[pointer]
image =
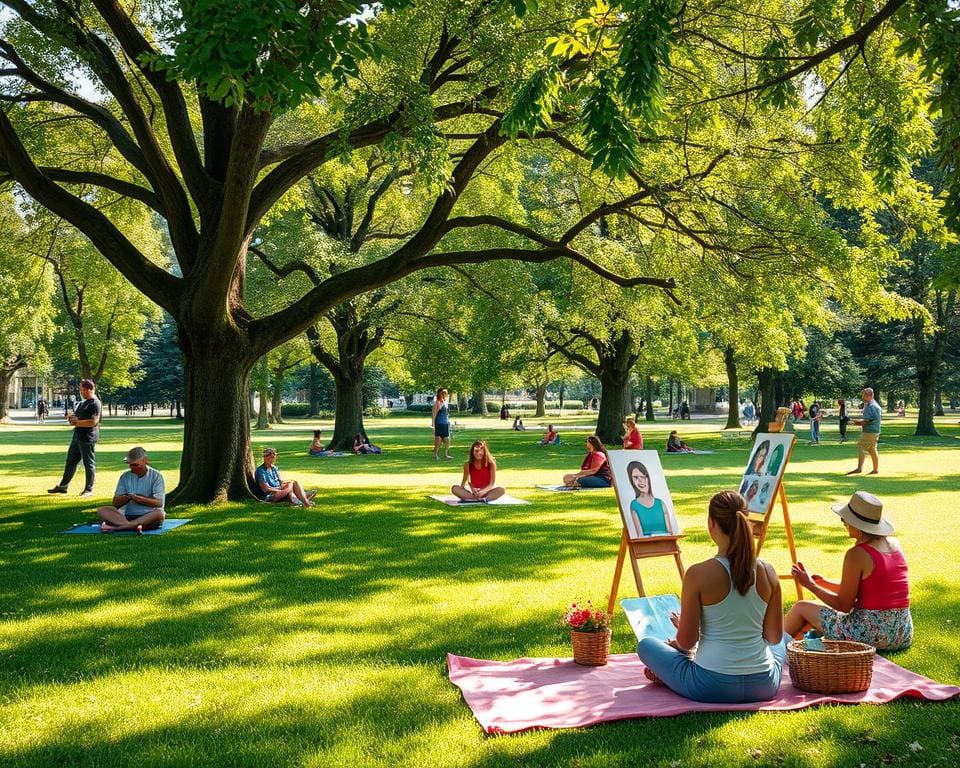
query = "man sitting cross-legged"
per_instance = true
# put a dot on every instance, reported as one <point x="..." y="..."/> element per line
<point x="138" y="500"/>
<point x="274" y="490"/>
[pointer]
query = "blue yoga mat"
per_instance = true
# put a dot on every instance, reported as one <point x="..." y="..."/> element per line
<point x="168" y="525"/>
<point x="650" y="616"/>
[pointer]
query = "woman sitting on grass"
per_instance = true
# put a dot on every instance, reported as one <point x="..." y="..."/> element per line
<point x="479" y="482"/>
<point x="595" y="470"/>
<point x="632" y="439"/>
<point x="730" y="609"/>
<point x="362" y="445"/>
<point x="871" y="603"/>
<point x="550" y="437"/>
<point x="676" y="445"/>
<point x="316" y="445"/>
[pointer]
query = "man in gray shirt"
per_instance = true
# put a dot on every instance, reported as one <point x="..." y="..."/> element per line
<point x="870" y="433"/>
<point x="140" y="494"/>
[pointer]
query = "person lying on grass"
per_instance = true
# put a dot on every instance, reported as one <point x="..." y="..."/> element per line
<point x="595" y="470"/>
<point x="479" y="482"/>
<point x="138" y="500"/>
<point x="730" y="610"/>
<point x="871" y="602"/>
<point x="276" y="490"/>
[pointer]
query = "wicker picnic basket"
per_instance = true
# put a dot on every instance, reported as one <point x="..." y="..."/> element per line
<point x="845" y="667"/>
<point x="591" y="649"/>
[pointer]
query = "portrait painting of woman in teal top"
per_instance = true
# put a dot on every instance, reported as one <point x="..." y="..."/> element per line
<point x="648" y="512"/>
<point x="643" y="495"/>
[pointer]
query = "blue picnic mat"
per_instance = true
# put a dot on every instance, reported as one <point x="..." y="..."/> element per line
<point x="168" y="525"/>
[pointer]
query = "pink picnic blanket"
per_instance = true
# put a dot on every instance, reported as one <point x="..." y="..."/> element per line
<point x="511" y="696"/>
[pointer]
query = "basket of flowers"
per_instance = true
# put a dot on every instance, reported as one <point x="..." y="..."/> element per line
<point x="589" y="632"/>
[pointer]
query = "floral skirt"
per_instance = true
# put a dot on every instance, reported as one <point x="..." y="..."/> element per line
<point x="887" y="630"/>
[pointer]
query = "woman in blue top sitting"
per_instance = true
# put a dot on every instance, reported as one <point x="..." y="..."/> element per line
<point x="648" y="512"/>
<point x="730" y="609"/>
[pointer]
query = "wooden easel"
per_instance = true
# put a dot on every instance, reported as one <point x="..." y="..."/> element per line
<point x="656" y="546"/>
<point x="760" y="526"/>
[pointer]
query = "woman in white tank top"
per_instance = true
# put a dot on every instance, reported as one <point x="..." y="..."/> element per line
<point x="729" y="644"/>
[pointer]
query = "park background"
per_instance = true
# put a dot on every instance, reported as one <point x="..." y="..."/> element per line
<point x="264" y="219"/>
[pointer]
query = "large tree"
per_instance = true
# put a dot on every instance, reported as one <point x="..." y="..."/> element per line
<point x="197" y="136"/>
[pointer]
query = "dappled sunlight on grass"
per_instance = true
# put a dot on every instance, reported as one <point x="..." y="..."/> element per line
<point x="268" y="635"/>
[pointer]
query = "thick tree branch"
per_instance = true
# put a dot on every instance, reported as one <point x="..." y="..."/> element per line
<point x="176" y="115"/>
<point x="146" y="276"/>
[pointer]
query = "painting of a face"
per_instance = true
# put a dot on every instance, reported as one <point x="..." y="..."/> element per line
<point x="759" y="458"/>
<point x="640" y="482"/>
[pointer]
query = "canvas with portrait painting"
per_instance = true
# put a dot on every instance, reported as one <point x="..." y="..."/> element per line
<point x="642" y="494"/>
<point x="768" y="459"/>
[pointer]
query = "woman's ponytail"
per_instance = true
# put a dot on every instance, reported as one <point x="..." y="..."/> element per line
<point x="729" y="510"/>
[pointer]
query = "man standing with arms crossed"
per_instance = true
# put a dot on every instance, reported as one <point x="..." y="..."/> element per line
<point x="86" y="431"/>
<point x="870" y="433"/>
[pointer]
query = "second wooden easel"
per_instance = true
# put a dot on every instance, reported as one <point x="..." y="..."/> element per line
<point x="760" y="526"/>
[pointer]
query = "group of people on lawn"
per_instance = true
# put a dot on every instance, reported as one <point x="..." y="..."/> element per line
<point x="731" y="635"/>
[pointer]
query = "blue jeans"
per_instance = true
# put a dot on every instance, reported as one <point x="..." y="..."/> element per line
<point x="682" y="675"/>
<point x="814" y="431"/>
<point x="592" y="481"/>
<point x="80" y="450"/>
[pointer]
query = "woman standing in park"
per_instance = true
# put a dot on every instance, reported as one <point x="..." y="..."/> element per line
<point x="648" y="512"/>
<point x="730" y="609"/>
<point x="479" y="481"/>
<point x="632" y="439"/>
<point x="595" y="470"/>
<point x="440" y="420"/>
<point x="871" y="602"/>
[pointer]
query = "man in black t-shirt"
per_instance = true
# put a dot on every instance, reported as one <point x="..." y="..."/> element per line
<point x="86" y="431"/>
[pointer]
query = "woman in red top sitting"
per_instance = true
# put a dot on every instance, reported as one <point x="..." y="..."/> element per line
<point x="479" y="482"/>
<point x="632" y="440"/>
<point x="595" y="470"/>
<point x="550" y="437"/>
<point x="871" y="603"/>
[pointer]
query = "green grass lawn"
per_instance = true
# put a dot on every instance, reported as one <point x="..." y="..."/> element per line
<point x="273" y="636"/>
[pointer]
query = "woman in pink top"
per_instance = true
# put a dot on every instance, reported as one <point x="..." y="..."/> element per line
<point x="871" y="603"/>
<point x="595" y="470"/>
<point x="632" y="439"/>
<point x="479" y="482"/>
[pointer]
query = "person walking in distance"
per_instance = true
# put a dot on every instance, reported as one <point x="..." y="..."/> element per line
<point x="870" y="434"/>
<point x="86" y="432"/>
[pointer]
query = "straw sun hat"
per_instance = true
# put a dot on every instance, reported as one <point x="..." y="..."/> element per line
<point x="864" y="512"/>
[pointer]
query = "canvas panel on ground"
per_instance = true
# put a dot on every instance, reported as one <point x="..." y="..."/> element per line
<point x="768" y="459"/>
<point x="642" y="494"/>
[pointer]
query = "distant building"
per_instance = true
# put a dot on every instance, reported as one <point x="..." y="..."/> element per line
<point x="25" y="386"/>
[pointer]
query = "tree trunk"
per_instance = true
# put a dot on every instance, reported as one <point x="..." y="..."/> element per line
<point x="768" y="404"/>
<point x="6" y="375"/>
<point x="216" y="463"/>
<point x="541" y="401"/>
<point x="479" y="403"/>
<point x="733" y="384"/>
<point x="263" y="414"/>
<point x="938" y="403"/>
<point x="614" y="387"/>
<point x="926" y="381"/>
<point x="277" y="400"/>
<point x="649" y="416"/>
<point x="314" y="409"/>
<point x="348" y="416"/>
<point x="462" y="402"/>
<point x="561" y="390"/>
<point x="179" y="404"/>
